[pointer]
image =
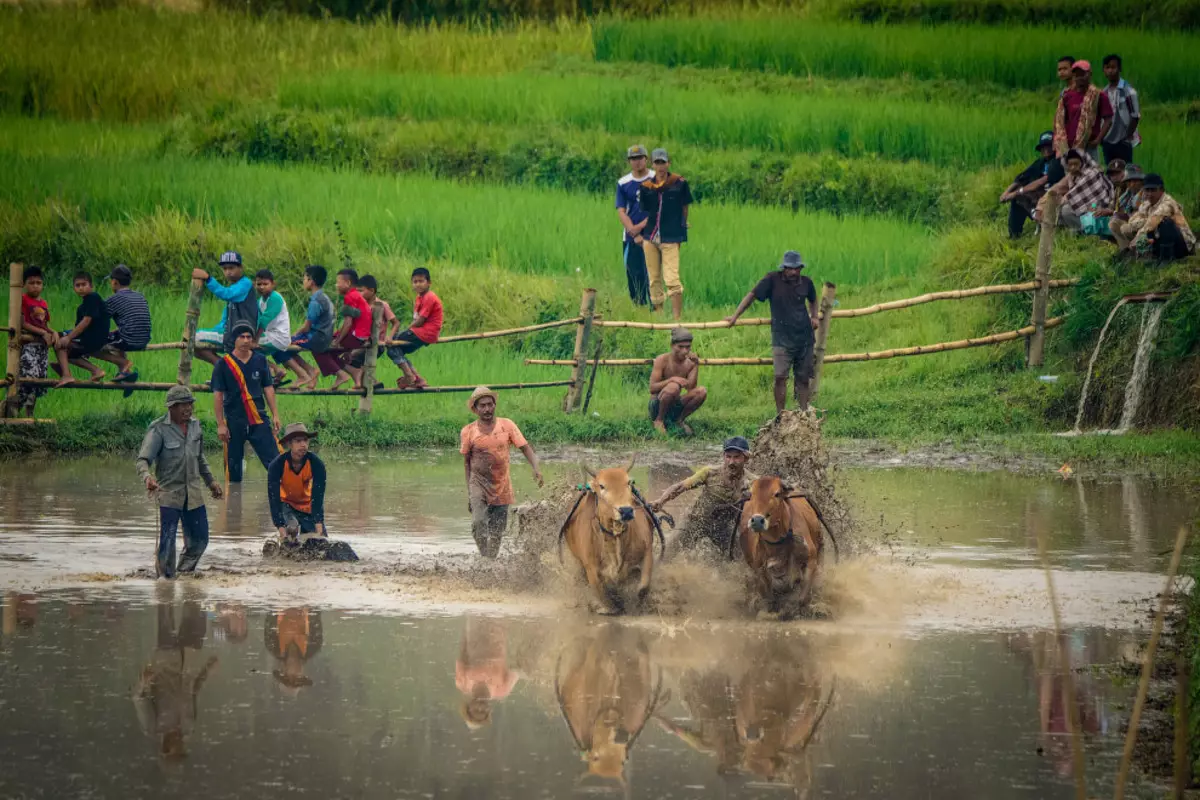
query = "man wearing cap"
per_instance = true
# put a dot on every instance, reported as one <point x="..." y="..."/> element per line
<point x="131" y="314"/>
<point x="792" y="325"/>
<point x="175" y="444"/>
<point x="665" y="198"/>
<point x="1027" y="188"/>
<point x="1159" y="230"/>
<point x="633" y="220"/>
<point x="243" y="389"/>
<point x="1084" y="115"/>
<point x="674" y="395"/>
<point x="484" y="447"/>
<point x="241" y="305"/>
<point x="716" y="510"/>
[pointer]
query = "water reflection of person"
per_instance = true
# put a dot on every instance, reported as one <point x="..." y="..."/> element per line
<point x="293" y="636"/>
<point x="166" y="691"/>
<point x="606" y="691"/>
<point x="760" y="725"/>
<point x="231" y="622"/>
<point x="20" y="610"/>
<point x="481" y="672"/>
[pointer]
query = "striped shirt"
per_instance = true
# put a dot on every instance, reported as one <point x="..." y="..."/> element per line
<point x="132" y="317"/>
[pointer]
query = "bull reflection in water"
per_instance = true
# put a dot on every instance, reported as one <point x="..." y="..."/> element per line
<point x="481" y="672"/>
<point x="165" y="696"/>
<point x="607" y="690"/>
<point x="292" y="637"/>
<point x="757" y="726"/>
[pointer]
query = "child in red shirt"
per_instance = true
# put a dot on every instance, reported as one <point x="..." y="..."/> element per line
<point x="425" y="328"/>
<point x="356" y="330"/>
<point x="35" y="320"/>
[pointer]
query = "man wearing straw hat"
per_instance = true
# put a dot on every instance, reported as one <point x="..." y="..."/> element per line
<point x="484" y="446"/>
<point x="175" y="443"/>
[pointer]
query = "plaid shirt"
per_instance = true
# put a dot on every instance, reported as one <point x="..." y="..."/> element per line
<point x="1091" y="189"/>
<point x="1148" y="217"/>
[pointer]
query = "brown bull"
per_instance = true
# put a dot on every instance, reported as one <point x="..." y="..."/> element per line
<point x="611" y="533"/>
<point x="607" y="694"/>
<point x="782" y="543"/>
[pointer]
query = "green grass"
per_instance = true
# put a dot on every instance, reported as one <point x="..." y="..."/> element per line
<point x="1173" y="15"/>
<point x="1164" y="66"/>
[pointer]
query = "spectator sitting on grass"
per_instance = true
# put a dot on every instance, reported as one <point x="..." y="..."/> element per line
<point x="1159" y="230"/>
<point x="1084" y="189"/>
<point x="1095" y="222"/>
<point x="1084" y="115"/>
<point x="1123" y="136"/>
<point x="1127" y="204"/>
<point x="1027" y="188"/>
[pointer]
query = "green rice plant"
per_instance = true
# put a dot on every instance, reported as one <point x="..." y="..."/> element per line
<point x="138" y="63"/>
<point x="946" y="135"/>
<point x="1171" y="15"/>
<point x="1162" y="65"/>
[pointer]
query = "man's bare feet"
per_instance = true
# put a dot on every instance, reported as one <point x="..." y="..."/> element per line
<point x="338" y="384"/>
<point x="687" y="429"/>
<point x="660" y="426"/>
<point x="403" y="383"/>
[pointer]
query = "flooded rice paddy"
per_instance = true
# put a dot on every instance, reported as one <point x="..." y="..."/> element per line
<point x="422" y="672"/>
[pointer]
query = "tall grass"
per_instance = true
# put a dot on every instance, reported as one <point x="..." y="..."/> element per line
<point x="136" y="63"/>
<point x="1164" y="66"/>
<point x="1172" y="15"/>
<point x="947" y="135"/>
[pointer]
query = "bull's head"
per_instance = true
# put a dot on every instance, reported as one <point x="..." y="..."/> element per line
<point x="614" y="491"/>
<point x="610" y="746"/>
<point x="767" y="503"/>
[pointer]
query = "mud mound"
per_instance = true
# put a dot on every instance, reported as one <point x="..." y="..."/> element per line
<point x="791" y="447"/>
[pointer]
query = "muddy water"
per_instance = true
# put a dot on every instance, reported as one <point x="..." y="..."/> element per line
<point x="936" y="678"/>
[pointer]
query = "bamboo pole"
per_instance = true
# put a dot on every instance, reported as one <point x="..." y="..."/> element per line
<point x="587" y="401"/>
<point x="919" y="350"/>
<point x="26" y="421"/>
<point x="587" y="309"/>
<point x="188" y="345"/>
<point x="1041" y="297"/>
<point x="205" y="388"/>
<point x="1139" y="703"/>
<point x="140" y="386"/>
<point x="12" y="367"/>
<point x="370" y="357"/>
<point x="827" y="298"/>
<point x="470" y="337"/>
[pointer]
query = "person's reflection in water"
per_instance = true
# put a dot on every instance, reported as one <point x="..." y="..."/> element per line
<point x="293" y="636"/>
<point x="20" y="610"/>
<point x="758" y="726"/>
<point x="167" y="689"/>
<point x="481" y="672"/>
<point x="231" y="622"/>
<point x="607" y="691"/>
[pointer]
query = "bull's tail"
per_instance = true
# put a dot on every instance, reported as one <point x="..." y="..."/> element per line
<point x="562" y="532"/>
<point x="837" y="555"/>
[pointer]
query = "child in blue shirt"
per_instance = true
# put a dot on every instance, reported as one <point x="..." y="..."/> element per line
<point x="316" y="334"/>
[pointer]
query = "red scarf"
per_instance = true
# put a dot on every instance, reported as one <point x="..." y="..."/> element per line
<point x="235" y="368"/>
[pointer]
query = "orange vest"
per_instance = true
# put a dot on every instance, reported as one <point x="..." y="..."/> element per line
<point x="295" y="488"/>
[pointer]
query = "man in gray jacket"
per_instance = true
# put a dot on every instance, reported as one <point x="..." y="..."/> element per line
<point x="176" y="443"/>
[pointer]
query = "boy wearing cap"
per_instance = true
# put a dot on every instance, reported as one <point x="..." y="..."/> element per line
<point x="792" y="327"/>
<point x="1027" y="188"/>
<point x="241" y="305"/>
<point x="1084" y="114"/>
<point x="484" y="447"/>
<point x="1123" y="136"/>
<point x="665" y="199"/>
<point x="715" y="512"/>
<point x="174" y="443"/>
<point x="1159" y="230"/>
<point x="633" y="220"/>
<point x="674" y="394"/>
<point x="242" y="391"/>
<point x="131" y="314"/>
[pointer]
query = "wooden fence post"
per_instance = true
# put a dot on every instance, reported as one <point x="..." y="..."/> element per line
<point x="12" y="365"/>
<point x="1041" y="295"/>
<point x="189" y="333"/>
<point x="587" y="310"/>
<point x="370" y="358"/>
<point x="827" y="297"/>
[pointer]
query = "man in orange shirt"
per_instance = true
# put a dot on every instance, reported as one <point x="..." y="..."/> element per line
<point x="296" y="491"/>
<point x="484" y="446"/>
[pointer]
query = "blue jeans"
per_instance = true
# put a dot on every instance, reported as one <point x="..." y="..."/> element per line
<point x="195" y="539"/>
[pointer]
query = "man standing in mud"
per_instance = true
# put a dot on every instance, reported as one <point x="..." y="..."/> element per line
<point x="674" y="394"/>
<point x="716" y="511"/>
<point x="484" y="447"/>
<point x="792" y="338"/>
<point x="176" y="443"/>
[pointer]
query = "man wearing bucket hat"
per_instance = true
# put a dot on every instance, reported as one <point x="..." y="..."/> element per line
<point x="174" y="444"/>
<point x="633" y="220"/>
<point x="241" y="305"/>
<point x="243" y="390"/>
<point x="674" y="395"/>
<point x="1028" y="187"/>
<point x="792" y="325"/>
<point x="715" y="512"/>
<point x="484" y="447"/>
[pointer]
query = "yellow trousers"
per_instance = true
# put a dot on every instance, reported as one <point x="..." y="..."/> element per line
<point x="662" y="265"/>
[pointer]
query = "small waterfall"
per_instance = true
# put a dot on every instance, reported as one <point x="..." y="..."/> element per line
<point x="1141" y="365"/>
<point x="1087" y="381"/>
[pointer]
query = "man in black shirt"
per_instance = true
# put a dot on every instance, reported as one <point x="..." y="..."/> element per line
<point x="1028" y="187"/>
<point x="665" y="198"/>
<point x="87" y="337"/>
<point x="243" y="389"/>
<point x="792" y="326"/>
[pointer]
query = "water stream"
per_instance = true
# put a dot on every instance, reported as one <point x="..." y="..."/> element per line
<point x="1087" y="380"/>
<point x="1141" y="364"/>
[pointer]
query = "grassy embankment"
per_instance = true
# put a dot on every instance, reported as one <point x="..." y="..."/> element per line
<point x="91" y="195"/>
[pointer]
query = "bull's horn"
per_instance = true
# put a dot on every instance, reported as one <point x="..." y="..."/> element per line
<point x="587" y="471"/>
<point x="632" y="461"/>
